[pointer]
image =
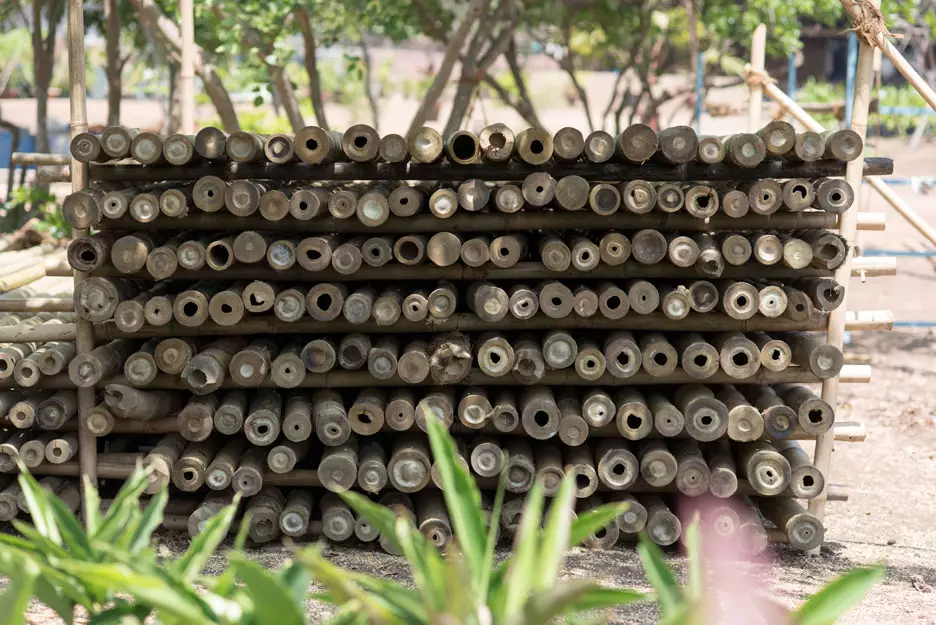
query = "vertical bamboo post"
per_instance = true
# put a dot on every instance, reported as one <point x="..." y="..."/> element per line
<point x="876" y="34"/>
<point x="187" y="71"/>
<point x="84" y="341"/>
<point x="756" y="91"/>
<point x="848" y="226"/>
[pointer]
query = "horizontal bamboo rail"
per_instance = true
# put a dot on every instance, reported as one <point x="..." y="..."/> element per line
<point x="488" y="222"/>
<point x="855" y="374"/>
<point x="873" y="266"/>
<point x="470" y="322"/>
<point x="37" y="304"/>
<point x="872" y="222"/>
<point x="616" y="172"/>
<point x="57" y="173"/>
<point x="844" y="431"/>
<point x="31" y="159"/>
<point x="467" y="322"/>
<point x="121" y="468"/>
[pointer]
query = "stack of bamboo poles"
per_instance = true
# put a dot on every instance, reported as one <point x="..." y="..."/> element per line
<point x="640" y="311"/>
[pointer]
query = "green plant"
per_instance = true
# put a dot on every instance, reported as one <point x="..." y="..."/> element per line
<point x="27" y="202"/>
<point x="689" y="605"/>
<point x="464" y="586"/>
<point x="110" y="568"/>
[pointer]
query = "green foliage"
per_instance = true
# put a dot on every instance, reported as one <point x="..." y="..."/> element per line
<point x="110" y="568"/>
<point x="815" y="91"/>
<point x="463" y="586"/>
<point x="687" y="605"/>
<point x="27" y="202"/>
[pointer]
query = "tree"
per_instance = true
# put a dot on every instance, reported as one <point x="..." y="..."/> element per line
<point x="169" y="39"/>
<point x="50" y="12"/>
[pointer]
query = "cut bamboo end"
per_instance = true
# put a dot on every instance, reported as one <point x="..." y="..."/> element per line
<point x="872" y="222"/>
<point x="862" y="320"/>
<point x="873" y="266"/>
<point x="855" y="374"/>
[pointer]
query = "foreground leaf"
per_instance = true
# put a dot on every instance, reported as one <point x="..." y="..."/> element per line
<point x="203" y="546"/>
<point x="838" y="597"/>
<point x="273" y="603"/>
<point x="16" y="595"/>
<point x="382" y="518"/>
<point x="695" y="589"/>
<point x="574" y="596"/>
<point x="555" y="541"/>
<point x="462" y="499"/>
<point x="661" y="577"/>
<point x="523" y="564"/>
<point x="593" y="520"/>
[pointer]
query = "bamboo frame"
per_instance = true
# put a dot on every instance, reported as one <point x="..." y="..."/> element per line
<point x="87" y="443"/>
<point x="37" y="304"/>
<point x="613" y="172"/>
<point x="822" y="458"/>
<point x="853" y="8"/>
<point x="856" y="374"/>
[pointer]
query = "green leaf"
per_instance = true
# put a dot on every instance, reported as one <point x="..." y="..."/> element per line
<point x="54" y="598"/>
<point x="555" y="541"/>
<point x="225" y="584"/>
<point x="695" y="589"/>
<point x="462" y="499"/>
<point x="425" y="564"/>
<point x="403" y="599"/>
<point x="523" y="564"/>
<point x="593" y="520"/>
<point x="838" y="597"/>
<point x="493" y="534"/>
<point x="16" y="595"/>
<point x="42" y="544"/>
<point x="146" y="588"/>
<point x="37" y="501"/>
<point x="149" y="522"/>
<point x="73" y="534"/>
<point x="574" y="596"/>
<point x="120" y="613"/>
<point x="343" y="589"/>
<point x="381" y="517"/>
<point x="661" y="577"/>
<point x="216" y="529"/>
<point x="273" y="603"/>
<point x="122" y="509"/>
<point x="92" y="506"/>
<point x="295" y="579"/>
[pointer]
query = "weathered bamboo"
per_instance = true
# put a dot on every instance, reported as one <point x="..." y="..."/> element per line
<point x="706" y="416"/>
<point x="206" y="371"/>
<point x="662" y="525"/>
<point x="723" y="480"/>
<point x="745" y="422"/>
<point x="410" y="465"/>
<point x="804" y="530"/>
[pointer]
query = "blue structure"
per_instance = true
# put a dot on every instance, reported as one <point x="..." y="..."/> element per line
<point x="27" y="143"/>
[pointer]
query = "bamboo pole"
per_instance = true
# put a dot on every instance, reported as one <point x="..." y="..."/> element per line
<point x="29" y="159"/>
<point x="822" y="458"/>
<point x="523" y="271"/>
<point x="850" y="374"/>
<point x="755" y="91"/>
<point x="447" y="172"/>
<point x="494" y="222"/>
<point x="875" y="35"/>
<point x="87" y="443"/>
<point x="187" y="69"/>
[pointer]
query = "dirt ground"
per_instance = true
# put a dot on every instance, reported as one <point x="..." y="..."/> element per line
<point x="891" y="477"/>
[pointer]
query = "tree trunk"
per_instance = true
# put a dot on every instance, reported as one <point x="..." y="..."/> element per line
<point x="43" y="59"/>
<point x="568" y="64"/>
<point x="174" y="102"/>
<point x="311" y="66"/>
<point x="170" y="41"/>
<point x="525" y="105"/>
<point x="114" y="65"/>
<point x="287" y="97"/>
<point x="369" y="82"/>
<point x="452" y="53"/>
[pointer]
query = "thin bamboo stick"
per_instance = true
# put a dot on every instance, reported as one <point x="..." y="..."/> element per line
<point x="37" y="304"/>
<point x="87" y="443"/>
<point x="822" y="458"/>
